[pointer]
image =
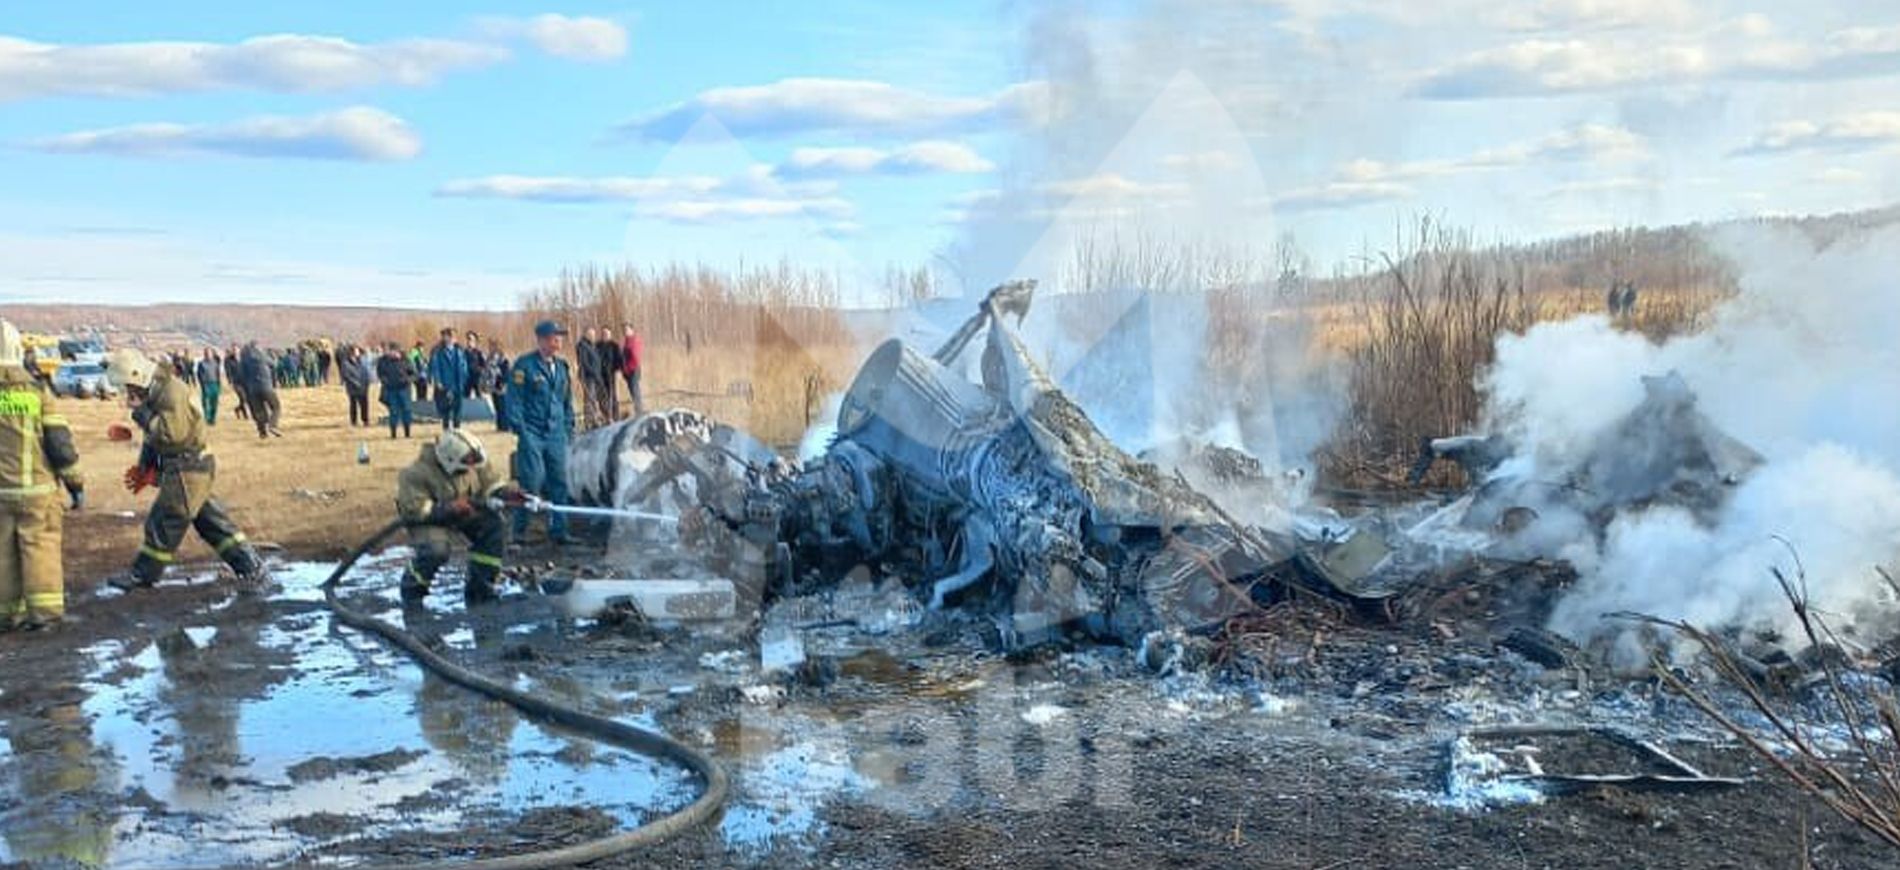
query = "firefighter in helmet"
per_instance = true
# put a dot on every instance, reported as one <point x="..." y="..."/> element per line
<point x="173" y="459"/>
<point x="452" y="490"/>
<point x="37" y="460"/>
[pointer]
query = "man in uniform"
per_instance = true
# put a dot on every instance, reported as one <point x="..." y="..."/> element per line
<point x="175" y="460"/>
<point x="36" y="455"/>
<point x="451" y="488"/>
<point x="540" y="407"/>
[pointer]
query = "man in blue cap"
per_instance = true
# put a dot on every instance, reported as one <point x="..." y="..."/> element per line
<point x="539" y="404"/>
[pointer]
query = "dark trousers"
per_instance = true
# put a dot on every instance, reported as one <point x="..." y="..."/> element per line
<point x="265" y="409"/>
<point x="185" y="503"/>
<point x="449" y="408"/>
<point x="359" y="406"/>
<point x="633" y="393"/>
<point x="400" y="413"/>
<point x="208" y="392"/>
<point x="433" y="545"/>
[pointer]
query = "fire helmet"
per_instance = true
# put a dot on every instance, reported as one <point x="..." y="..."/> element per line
<point x="458" y="451"/>
<point x="127" y="368"/>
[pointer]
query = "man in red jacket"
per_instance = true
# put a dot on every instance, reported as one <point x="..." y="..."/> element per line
<point x="630" y="352"/>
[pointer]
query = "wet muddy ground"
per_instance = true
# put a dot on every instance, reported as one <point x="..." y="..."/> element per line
<point x="186" y="727"/>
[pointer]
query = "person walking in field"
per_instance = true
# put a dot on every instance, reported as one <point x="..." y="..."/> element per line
<point x="631" y="350"/>
<point x="397" y="375"/>
<point x="260" y="389"/>
<point x="37" y="460"/>
<point x="174" y="459"/>
<point x="540" y="403"/>
<point x="210" y="384"/>
<point x="234" y="375"/>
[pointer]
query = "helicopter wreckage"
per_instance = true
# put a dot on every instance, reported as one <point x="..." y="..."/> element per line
<point x="994" y="495"/>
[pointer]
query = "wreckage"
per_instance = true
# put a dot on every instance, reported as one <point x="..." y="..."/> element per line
<point x="999" y="497"/>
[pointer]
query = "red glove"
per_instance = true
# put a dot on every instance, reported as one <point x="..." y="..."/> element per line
<point x="139" y="477"/>
<point x="118" y="432"/>
<point x="512" y="496"/>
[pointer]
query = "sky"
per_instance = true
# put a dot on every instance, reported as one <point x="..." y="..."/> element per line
<point x="435" y="154"/>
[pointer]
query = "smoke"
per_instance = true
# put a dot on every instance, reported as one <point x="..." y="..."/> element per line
<point x="1801" y="367"/>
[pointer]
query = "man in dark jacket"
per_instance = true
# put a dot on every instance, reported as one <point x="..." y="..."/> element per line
<point x="398" y="378"/>
<point x="477" y="365"/>
<point x="587" y="365"/>
<point x="354" y="372"/>
<point x="234" y="375"/>
<point x="609" y="374"/>
<point x="259" y="386"/>
<point x="448" y="368"/>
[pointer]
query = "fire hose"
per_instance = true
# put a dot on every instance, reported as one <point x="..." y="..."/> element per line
<point x="652" y="744"/>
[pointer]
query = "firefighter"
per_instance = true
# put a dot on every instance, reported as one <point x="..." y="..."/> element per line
<point x="174" y="460"/>
<point x="37" y="458"/>
<point x="452" y="488"/>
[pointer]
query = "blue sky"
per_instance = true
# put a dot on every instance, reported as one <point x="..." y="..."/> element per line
<point x="437" y="154"/>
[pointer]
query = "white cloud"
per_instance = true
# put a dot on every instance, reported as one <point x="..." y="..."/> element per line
<point x="358" y="133"/>
<point x="582" y="38"/>
<point x="1602" y="186"/>
<point x="805" y="105"/>
<point x="697" y="199"/>
<point x="1580" y="15"/>
<point x="914" y="159"/>
<point x="558" y="188"/>
<point x="1857" y="132"/>
<point x="283" y="63"/>
<point x="1537" y="67"/>
<point x="1838" y="175"/>
<point x="1742" y="49"/>
<point x="745" y="209"/>
<point x="1341" y="194"/>
<point x="1202" y="161"/>
<point x="1363" y="182"/>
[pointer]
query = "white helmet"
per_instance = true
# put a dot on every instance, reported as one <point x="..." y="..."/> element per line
<point x="129" y="368"/>
<point x="12" y="351"/>
<point x="458" y="451"/>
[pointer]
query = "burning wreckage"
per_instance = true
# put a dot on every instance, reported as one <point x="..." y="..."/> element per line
<point x="996" y="495"/>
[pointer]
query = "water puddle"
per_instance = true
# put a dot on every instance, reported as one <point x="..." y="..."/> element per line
<point x="262" y="735"/>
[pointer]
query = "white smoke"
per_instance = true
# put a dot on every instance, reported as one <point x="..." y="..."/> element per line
<point x="1802" y="367"/>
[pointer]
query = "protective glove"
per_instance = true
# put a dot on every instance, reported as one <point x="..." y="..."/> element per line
<point x="119" y="432"/>
<point x="459" y="509"/>
<point x="75" y="496"/>
<point x="139" y="477"/>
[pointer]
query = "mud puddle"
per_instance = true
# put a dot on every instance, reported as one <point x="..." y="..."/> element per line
<point x="258" y="734"/>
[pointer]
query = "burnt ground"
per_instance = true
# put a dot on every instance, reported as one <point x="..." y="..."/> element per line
<point x="934" y="754"/>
